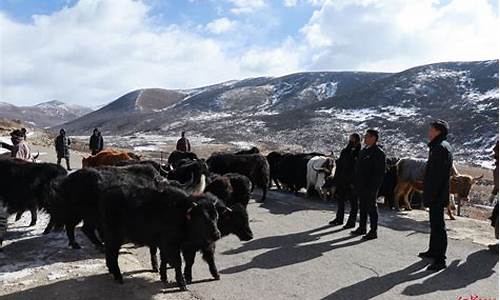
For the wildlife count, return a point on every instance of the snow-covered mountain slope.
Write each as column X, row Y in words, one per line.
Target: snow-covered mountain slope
column 257, row 96
column 317, row 110
column 45, row 114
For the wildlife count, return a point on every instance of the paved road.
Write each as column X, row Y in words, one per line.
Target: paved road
column 294, row 256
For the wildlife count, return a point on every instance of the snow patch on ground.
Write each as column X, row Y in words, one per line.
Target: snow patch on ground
column 391, row 113
column 242, row 145
column 146, row 142
column 207, row 116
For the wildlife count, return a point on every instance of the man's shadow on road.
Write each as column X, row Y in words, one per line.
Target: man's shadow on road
column 478, row 265
column 288, row 249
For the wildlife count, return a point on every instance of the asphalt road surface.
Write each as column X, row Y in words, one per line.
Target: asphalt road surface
column 295, row 256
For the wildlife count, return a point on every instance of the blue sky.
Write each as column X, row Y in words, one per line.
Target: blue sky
column 92, row 51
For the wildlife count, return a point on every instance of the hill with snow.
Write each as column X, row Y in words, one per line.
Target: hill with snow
column 317, row 110
column 46, row 114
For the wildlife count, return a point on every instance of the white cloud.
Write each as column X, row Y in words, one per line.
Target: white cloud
column 282, row 60
column 246, row 6
column 98, row 50
column 221, row 25
column 391, row 35
column 289, row 3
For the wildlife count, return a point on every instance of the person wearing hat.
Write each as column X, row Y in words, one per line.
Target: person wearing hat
column 19, row 148
column 436, row 194
column 62, row 148
column 96, row 143
column 369, row 175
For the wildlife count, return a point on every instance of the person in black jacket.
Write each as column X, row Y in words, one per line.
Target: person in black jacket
column 344, row 182
column 96, row 143
column 369, row 174
column 437, row 192
column 62, row 148
column 183, row 143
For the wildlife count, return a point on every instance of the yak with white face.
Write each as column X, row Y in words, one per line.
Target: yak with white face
column 318, row 169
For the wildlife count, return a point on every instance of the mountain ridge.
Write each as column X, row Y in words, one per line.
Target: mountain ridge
column 44, row 114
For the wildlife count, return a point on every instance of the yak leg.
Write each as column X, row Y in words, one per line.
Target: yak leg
column 407, row 198
column 19, row 215
column 208, row 256
column 89, row 232
column 398, row 194
column 70, row 232
column 450, row 213
column 154, row 258
column 451, row 206
column 175, row 260
column 49, row 227
column 33, row 211
column 189, row 257
column 264, row 193
column 112, row 252
column 278, row 186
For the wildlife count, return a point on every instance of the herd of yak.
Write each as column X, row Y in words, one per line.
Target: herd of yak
column 178, row 208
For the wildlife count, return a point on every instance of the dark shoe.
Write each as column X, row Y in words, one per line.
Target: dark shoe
column 358, row 231
column 425, row 254
column 436, row 266
column 370, row 236
column 335, row 222
column 69, row 169
column 349, row 226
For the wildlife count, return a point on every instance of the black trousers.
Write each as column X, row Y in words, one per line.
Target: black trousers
column 368, row 207
column 438, row 240
column 343, row 195
column 67, row 162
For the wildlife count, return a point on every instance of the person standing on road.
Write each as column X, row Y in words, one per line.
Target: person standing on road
column 183, row 143
column 494, row 194
column 437, row 192
column 369, row 175
column 19, row 148
column 96, row 143
column 344, row 182
column 62, row 144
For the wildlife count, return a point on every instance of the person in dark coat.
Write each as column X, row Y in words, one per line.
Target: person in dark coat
column 369, row 174
column 183, row 143
column 96, row 143
column 436, row 194
column 344, row 182
column 24, row 132
column 62, row 148
column 493, row 196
